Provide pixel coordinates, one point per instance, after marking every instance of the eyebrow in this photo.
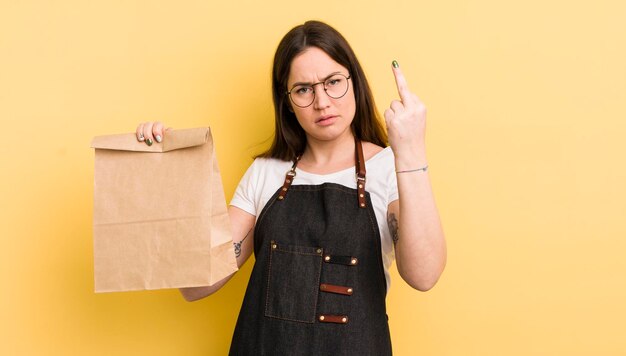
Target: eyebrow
(309, 83)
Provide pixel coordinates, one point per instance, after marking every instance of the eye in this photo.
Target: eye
(302, 90)
(334, 81)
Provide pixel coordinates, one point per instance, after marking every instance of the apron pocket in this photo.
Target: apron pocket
(293, 282)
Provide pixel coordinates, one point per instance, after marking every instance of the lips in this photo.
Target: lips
(326, 120)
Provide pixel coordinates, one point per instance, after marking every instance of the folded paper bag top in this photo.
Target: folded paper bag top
(160, 217)
(175, 139)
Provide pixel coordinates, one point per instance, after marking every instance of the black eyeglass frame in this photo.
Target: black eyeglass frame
(288, 93)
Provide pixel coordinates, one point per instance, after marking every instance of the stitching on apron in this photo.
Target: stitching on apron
(267, 293)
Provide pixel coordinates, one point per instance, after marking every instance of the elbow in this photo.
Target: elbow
(190, 298)
(422, 282)
(193, 294)
(422, 285)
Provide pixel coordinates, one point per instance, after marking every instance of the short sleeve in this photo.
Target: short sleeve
(245, 194)
(392, 180)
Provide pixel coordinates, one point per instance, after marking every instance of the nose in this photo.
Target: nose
(321, 99)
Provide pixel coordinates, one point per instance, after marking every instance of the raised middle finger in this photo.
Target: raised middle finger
(401, 84)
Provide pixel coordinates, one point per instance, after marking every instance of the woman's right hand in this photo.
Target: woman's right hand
(149, 132)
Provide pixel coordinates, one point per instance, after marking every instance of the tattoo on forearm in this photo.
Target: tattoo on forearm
(238, 245)
(393, 227)
(237, 248)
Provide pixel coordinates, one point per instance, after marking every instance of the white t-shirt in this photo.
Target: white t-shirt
(266, 175)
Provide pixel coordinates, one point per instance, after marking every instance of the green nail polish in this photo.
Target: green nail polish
(149, 142)
(395, 64)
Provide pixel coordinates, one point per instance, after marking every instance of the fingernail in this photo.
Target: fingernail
(140, 138)
(149, 141)
(158, 138)
(395, 64)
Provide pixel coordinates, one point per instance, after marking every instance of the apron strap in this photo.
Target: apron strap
(360, 175)
(291, 174)
(360, 172)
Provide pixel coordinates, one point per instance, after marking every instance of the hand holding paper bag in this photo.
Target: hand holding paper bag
(160, 217)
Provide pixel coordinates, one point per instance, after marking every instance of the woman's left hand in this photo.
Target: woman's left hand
(406, 124)
(413, 219)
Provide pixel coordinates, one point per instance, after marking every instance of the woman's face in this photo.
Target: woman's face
(327, 118)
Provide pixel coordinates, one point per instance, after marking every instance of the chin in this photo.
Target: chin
(330, 134)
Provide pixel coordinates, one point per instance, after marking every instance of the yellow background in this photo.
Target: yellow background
(526, 131)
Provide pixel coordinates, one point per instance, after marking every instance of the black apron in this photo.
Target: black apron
(318, 286)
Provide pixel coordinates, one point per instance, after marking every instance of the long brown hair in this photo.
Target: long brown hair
(289, 137)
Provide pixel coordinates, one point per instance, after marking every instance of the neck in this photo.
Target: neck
(329, 153)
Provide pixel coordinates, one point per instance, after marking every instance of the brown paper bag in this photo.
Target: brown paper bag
(160, 218)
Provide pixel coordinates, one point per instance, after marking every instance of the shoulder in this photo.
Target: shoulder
(264, 164)
(377, 156)
(381, 172)
(268, 170)
(371, 149)
(259, 182)
(263, 169)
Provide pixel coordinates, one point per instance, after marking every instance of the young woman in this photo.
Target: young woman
(328, 206)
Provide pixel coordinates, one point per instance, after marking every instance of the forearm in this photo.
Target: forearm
(419, 239)
(192, 294)
(242, 225)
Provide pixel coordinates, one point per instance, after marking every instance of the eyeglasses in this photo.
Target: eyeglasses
(335, 86)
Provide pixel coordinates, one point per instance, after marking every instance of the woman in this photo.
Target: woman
(324, 233)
